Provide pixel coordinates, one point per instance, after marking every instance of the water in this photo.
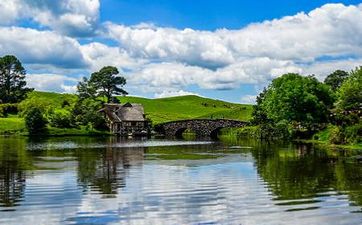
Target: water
(112, 181)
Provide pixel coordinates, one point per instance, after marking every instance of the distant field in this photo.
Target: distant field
(190, 107)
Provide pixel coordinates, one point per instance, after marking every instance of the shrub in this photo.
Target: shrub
(8, 108)
(353, 134)
(336, 135)
(60, 119)
(35, 122)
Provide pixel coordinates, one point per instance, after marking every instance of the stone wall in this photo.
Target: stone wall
(202, 127)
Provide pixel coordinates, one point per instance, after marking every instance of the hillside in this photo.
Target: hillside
(190, 107)
(158, 110)
(168, 109)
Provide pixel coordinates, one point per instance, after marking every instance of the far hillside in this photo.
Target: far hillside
(190, 107)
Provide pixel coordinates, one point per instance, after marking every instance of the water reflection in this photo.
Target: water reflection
(105, 181)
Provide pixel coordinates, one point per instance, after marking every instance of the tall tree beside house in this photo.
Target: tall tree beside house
(107, 83)
(12, 80)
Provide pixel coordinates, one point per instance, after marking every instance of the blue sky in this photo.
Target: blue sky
(226, 49)
(204, 14)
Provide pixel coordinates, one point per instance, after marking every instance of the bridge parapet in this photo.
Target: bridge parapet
(202, 127)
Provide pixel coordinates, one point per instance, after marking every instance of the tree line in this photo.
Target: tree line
(296, 106)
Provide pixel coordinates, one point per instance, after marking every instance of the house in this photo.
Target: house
(127, 119)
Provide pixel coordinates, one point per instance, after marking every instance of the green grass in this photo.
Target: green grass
(190, 107)
(54, 99)
(11, 125)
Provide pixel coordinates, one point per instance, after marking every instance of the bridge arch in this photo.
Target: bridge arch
(179, 132)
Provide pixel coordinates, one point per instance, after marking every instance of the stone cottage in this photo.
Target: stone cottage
(126, 120)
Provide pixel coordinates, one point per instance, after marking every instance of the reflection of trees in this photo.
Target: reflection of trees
(349, 179)
(304, 171)
(293, 174)
(105, 170)
(13, 163)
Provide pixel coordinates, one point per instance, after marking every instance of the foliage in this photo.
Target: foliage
(12, 80)
(35, 122)
(335, 79)
(8, 108)
(349, 104)
(86, 112)
(60, 118)
(105, 83)
(300, 101)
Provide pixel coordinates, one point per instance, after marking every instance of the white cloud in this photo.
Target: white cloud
(333, 30)
(71, 17)
(52, 82)
(161, 60)
(165, 94)
(256, 54)
(248, 99)
(40, 47)
(98, 55)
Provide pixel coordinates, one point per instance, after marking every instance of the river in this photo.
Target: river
(82, 180)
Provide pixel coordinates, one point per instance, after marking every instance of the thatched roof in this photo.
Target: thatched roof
(125, 112)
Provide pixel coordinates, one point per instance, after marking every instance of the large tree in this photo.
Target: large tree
(299, 100)
(335, 79)
(12, 80)
(350, 96)
(107, 83)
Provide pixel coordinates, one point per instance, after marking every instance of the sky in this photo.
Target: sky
(227, 50)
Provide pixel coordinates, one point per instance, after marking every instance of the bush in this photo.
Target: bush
(353, 134)
(35, 122)
(60, 119)
(8, 108)
(336, 135)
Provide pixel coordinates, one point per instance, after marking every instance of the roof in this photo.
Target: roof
(125, 112)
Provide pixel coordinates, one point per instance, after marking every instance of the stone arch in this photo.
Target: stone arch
(214, 133)
(179, 132)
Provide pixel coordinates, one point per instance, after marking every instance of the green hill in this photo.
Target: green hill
(158, 110)
(190, 107)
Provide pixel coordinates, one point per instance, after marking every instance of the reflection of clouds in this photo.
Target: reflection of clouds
(222, 193)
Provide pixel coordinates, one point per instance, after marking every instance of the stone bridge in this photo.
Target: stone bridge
(202, 127)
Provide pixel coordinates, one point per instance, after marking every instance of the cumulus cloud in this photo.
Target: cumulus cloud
(165, 94)
(157, 77)
(41, 47)
(333, 30)
(98, 55)
(52, 82)
(164, 61)
(70, 17)
(248, 99)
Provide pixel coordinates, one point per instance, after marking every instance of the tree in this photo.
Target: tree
(300, 101)
(335, 79)
(35, 122)
(349, 104)
(106, 83)
(86, 89)
(12, 80)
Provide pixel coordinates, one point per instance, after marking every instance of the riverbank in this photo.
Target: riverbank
(16, 126)
(320, 138)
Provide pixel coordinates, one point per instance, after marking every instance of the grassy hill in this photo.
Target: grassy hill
(190, 107)
(158, 110)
